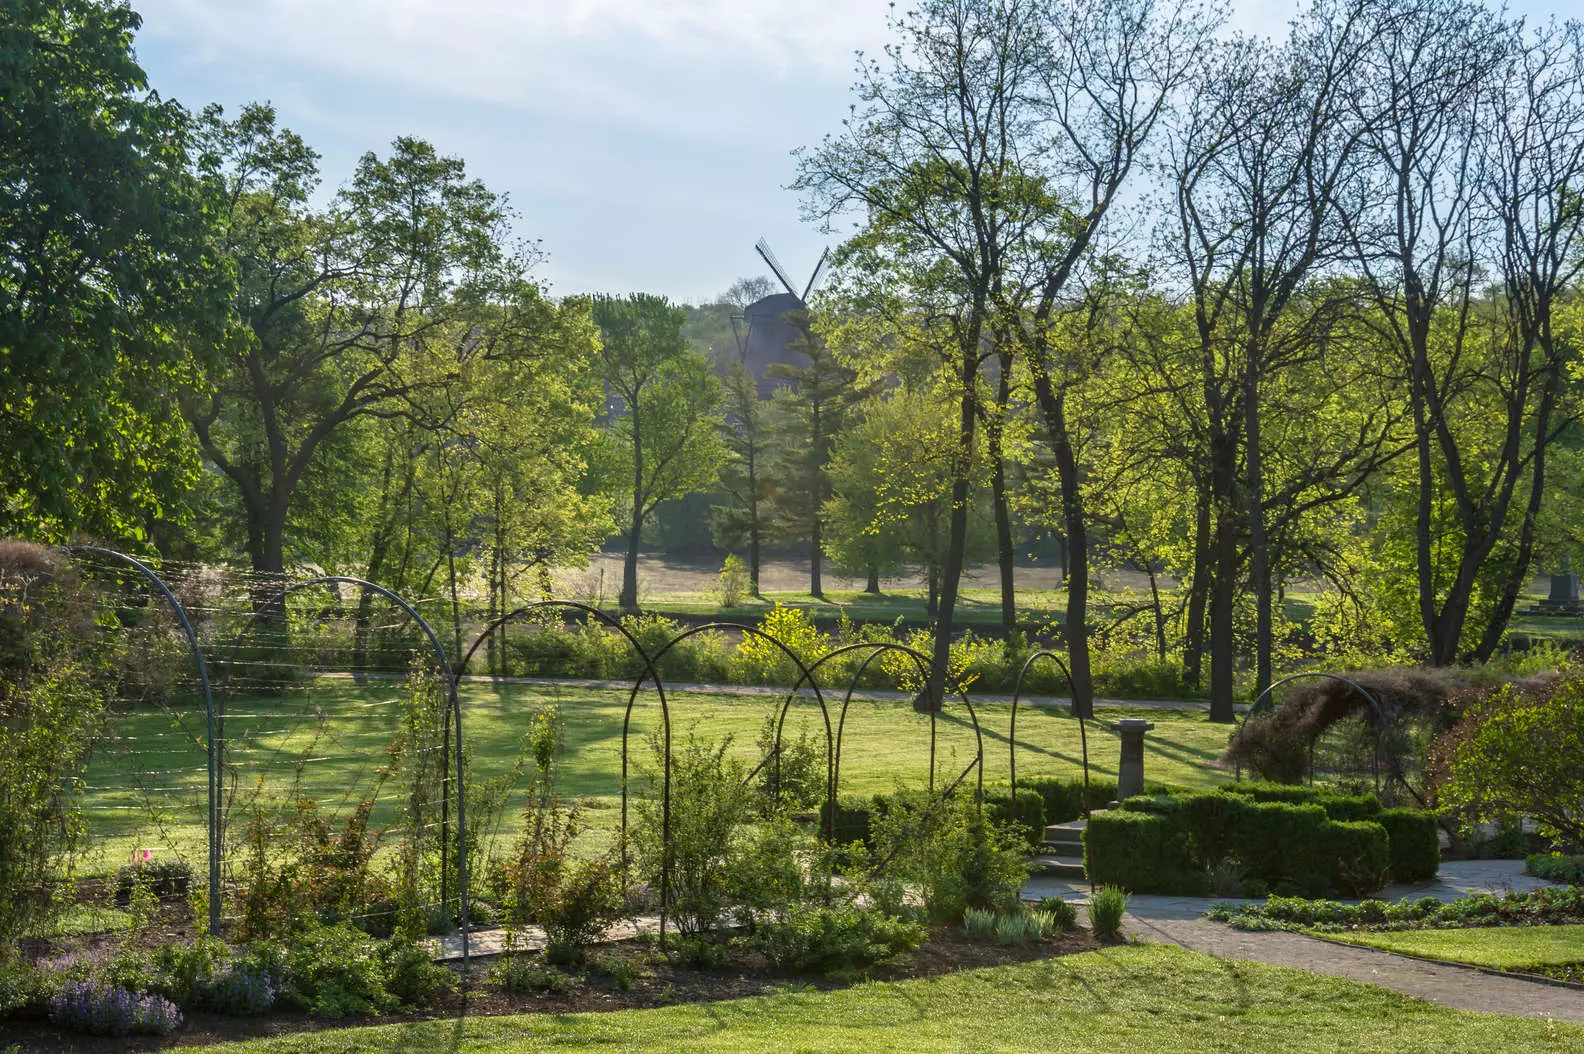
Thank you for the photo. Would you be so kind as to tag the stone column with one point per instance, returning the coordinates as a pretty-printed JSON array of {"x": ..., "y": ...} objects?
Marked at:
[{"x": 1130, "y": 772}]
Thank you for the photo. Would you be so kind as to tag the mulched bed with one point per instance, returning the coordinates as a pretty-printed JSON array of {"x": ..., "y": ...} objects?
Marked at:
[{"x": 661, "y": 983}]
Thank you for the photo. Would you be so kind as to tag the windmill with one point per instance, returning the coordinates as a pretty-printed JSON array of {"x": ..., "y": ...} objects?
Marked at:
[{"x": 777, "y": 325}]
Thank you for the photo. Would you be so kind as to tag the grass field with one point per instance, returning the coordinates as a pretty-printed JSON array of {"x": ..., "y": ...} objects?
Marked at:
[
  {"x": 1140, "y": 998},
  {"x": 1498, "y": 947},
  {"x": 146, "y": 786}
]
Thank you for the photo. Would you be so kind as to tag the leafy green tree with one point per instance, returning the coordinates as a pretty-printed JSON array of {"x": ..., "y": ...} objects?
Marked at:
[
  {"x": 802, "y": 419},
  {"x": 891, "y": 483},
  {"x": 745, "y": 474},
  {"x": 108, "y": 278},
  {"x": 668, "y": 422},
  {"x": 349, "y": 313}
]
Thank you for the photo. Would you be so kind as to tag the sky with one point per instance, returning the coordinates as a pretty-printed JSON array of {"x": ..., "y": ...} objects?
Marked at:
[{"x": 645, "y": 144}]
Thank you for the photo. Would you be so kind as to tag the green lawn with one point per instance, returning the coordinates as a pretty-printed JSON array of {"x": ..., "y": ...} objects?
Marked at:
[
  {"x": 1139, "y": 998},
  {"x": 1498, "y": 947},
  {"x": 146, "y": 786}
]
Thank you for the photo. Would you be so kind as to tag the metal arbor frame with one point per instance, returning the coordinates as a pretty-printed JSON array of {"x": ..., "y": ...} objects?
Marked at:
[
  {"x": 211, "y": 747},
  {"x": 1017, "y": 697},
  {"x": 453, "y": 714},
  {"x": 453, "y": 740}
]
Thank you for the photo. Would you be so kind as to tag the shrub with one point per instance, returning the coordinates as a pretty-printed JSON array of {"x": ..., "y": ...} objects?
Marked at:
[
  {"x": 1106, "y": 908},
  {"x": 335, "y": 971},
  {"x": 1556, "y": 867},
  {"x": 82, "y": 1006},
  {"x": 796, "y": 781},
  {"x": 168, "y": 879},
  {"x": 697, "y": 952},
  {"x": 1027, "y": 820},
  {"x": 733, "y": 583},
  {"x": 1062, "y": 914},
  {"x": 1140, "y": 851},
  {"x": 1517, "y": 754},
  {"x": 240, "y": 990},
  {"x": 1415, "y": 843},
  {"x": 410, "y": 975},
  {"x": 710, "y": 806},
  {"x": 1550, "y": 906},
  {"x": 584, "y": 902},
  {"x": 813, "y": 938},
  {"x": 517, "y": 974},
  {"x": 53, "y": 687},
  {"x": 182, "y": 972},
  {"x": 948, "y": 851}
]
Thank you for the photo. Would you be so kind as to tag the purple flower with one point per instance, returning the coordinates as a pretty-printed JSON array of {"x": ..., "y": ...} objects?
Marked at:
[{"x": 100, "y": 1010}]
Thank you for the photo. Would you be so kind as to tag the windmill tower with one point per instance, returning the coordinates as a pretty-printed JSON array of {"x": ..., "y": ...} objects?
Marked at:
[{"x": 777, "y": 325}]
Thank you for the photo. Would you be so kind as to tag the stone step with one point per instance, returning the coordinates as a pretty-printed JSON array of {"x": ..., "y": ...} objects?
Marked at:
[
  {"x": 1060, "y": 865},
  {"x": 1065, "y": 834}
]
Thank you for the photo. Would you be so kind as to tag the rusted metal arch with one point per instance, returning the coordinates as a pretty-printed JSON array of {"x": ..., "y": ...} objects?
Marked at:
[
  {"x": 1382, "y": 723},
  {"x": 453, "y": 714},
  {"x": 923, "y": 662},
  {"x": 650, "y": 673},
  {"x": 653, "y": 672},
  {"x": 209, "y": 708},
  {"x": 1083, "y": 735}
]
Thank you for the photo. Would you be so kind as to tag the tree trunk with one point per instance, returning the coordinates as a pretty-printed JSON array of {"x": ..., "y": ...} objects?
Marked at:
[
  {"x": 1005, "y": 552},
  {"x": 1198, "y": 595},
  {"x": 629, "y": 589},
  {"x": 816, "y": 493},
  {"x": 1259, "y": 551},
  {"x": 872, "y": 583},
  {"x": 957, "y": 538},
  {"x": 753, "y": 520}
]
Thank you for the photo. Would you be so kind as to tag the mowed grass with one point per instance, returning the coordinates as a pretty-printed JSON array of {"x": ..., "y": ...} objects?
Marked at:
[
  {"x": 1497, "y": 947},
  {"x": 146, "y": 786},
  {"x": 1135, "y": 999}
]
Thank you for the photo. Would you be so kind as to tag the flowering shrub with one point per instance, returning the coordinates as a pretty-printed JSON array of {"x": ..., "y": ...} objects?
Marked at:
[{"x": 82, "y": 1006}]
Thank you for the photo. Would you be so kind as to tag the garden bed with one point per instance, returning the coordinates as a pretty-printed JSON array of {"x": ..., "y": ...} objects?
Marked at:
[{"x": 620, "y": 976}]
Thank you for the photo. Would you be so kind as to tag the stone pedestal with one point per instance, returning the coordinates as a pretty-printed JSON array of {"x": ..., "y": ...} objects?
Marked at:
[{"x": 1130, "y": 772}]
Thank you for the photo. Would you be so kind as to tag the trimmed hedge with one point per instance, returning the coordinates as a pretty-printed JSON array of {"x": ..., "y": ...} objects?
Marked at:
[
  {"x": 1357, "y": 856},
  {"x": 1141, "y": 852},
  {"x": 1298, "y": 839},
  {"x": 1415, "y": 844},
  {"x": 1030, "y": 814},
  {"x": 1337, "y": 806},
  {"x": 1064, "y": 797}
]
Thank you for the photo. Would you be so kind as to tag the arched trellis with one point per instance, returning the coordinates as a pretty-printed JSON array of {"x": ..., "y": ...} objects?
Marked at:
[
  {"x": 652, "y": 671},
  {"x": 453, "y": 716},
  {"x": 1382, "y": 723},
  {"x": 922, "y": 663},
  {"x": 212, "y": 747},
  {"x": 1083, "y": 735}
]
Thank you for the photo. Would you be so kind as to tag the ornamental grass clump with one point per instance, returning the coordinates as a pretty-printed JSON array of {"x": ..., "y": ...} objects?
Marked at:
[
  {"x": 979, "y": 923},
  {"x": 82, "y": 1006},
  {"x": 1106, "y": 909}
]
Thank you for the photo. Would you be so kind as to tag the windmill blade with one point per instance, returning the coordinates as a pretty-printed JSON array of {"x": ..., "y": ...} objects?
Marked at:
[
  {"x": 763, "y": 248},
  {"x": 819, "y": 269}
]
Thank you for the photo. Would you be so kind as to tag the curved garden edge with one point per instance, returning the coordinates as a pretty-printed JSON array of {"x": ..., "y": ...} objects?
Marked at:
[{"x": 1515, "y": 975}]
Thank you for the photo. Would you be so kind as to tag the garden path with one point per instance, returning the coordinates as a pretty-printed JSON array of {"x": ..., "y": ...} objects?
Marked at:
[
  {"x": 1176, "y": 920},
  {"x": 879, "y": 694}
]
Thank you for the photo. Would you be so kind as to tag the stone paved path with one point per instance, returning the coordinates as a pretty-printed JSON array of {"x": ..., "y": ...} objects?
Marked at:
[
  {"x": 1176, "y": 920},
  {"x": 831, "y": 696},
  {"x": 1455, "y": 986}
]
